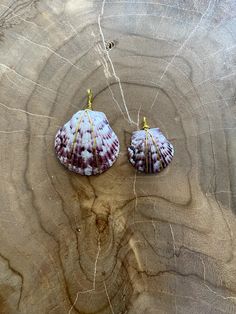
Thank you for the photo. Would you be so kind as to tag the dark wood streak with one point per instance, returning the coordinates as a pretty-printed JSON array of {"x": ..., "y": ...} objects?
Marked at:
[{"x": 18, "y": 274}]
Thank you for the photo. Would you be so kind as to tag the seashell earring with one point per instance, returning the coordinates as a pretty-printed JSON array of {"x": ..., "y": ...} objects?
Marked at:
[
  {"x": 150, "y": 151},
  {"x": 86, "y": 144}
]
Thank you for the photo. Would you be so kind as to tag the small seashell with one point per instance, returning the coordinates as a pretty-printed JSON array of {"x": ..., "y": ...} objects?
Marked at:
[
  {"x": 86, "y": 144},
  {"x": 150, "y": 151}
]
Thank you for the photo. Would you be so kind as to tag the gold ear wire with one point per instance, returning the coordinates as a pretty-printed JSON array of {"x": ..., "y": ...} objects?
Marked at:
[
  {"x": 145, "y": 125},
  {"x": 90, "y": 99}
]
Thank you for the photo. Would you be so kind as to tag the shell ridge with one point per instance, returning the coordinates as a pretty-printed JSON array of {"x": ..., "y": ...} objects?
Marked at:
[
  {"x": 106, "y": 142},
  {"x": 158, "y": 150},
  {"x": 76, "y": 132},
  {"x": 98, "y": 155},
  {"x": 94, "y": 139},
  {"x": 71, "y": 157},
  {"x": 146, "y": 151}
]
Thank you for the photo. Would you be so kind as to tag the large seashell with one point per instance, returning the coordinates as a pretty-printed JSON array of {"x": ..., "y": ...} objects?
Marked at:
[
  {"x": 86, "y": 144},
  {"x": 150, "y": 151}
]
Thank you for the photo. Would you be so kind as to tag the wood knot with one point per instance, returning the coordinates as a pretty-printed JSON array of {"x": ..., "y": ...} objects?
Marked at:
[
  {"x": 101, "y": 223},
  {"x": 110, "y": 44}
]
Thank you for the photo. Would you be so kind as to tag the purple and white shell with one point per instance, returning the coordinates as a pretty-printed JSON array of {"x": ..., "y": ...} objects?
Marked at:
[
  {"x": 150, "y": 151},
  {"x": 86, "y": 144}
]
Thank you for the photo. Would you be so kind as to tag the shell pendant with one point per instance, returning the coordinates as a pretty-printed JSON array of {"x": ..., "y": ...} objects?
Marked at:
[
  {"x": 149, "y": 150},
  {"x": 86, "y": 144}
]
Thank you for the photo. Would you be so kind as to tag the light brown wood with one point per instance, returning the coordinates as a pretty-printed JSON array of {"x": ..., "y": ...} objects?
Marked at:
[{"x": 122, "y": 242}]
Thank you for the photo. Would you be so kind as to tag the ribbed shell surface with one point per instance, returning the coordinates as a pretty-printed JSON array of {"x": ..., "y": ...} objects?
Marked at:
[
  {"x": 86, "y": 144},
  {"x": 150, "y": 151}
]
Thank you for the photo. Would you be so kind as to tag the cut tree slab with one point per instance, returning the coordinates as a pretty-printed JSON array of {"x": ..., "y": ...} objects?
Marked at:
[{"x": 121, "y": 242}]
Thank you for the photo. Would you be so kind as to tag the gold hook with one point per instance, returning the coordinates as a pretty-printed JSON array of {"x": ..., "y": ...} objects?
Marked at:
[
  {"x": 145, "y": 125},
  {"x": 90, "y": 99}
]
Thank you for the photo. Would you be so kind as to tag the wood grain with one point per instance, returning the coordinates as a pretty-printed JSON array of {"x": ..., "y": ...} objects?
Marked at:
[{"x": 121, "y": 242}]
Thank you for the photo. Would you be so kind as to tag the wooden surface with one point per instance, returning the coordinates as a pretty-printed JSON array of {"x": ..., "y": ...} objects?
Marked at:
[{"x": 122, "y": 242}]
